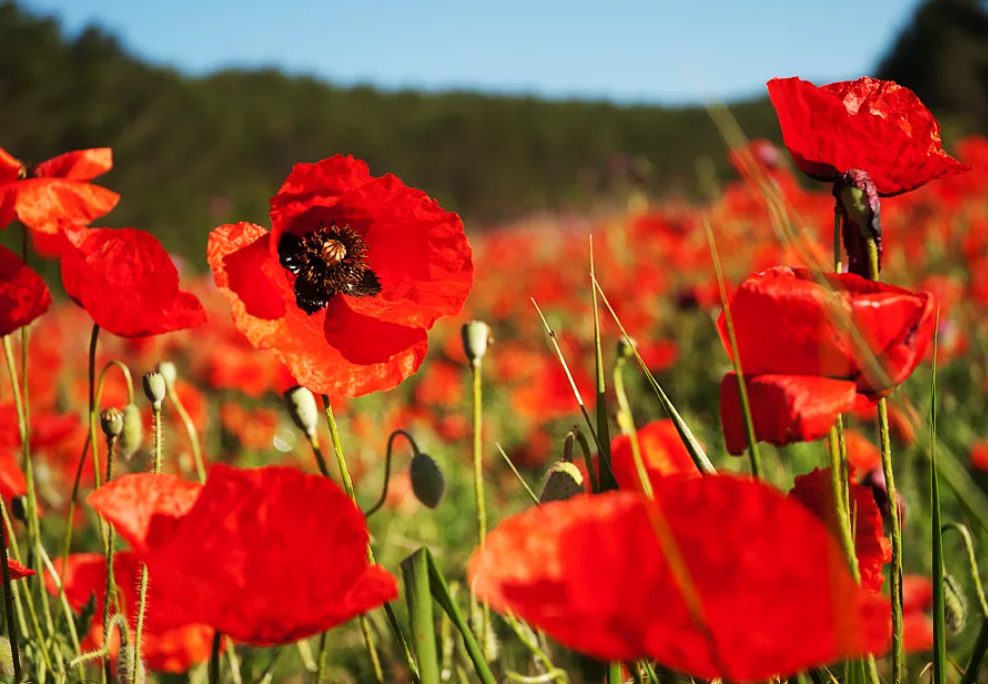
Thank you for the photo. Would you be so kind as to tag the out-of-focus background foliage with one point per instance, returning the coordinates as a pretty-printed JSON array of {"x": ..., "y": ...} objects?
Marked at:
[{"x": 192, "y": 152}]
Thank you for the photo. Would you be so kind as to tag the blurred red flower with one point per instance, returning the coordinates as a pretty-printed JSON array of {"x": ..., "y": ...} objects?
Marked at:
[
  {"x": 167, "y": 645},
  {"x": 662, "y": 450},
  {"x": 876, "y": 126},
  {"x": 267, "y": 556},
  {"x": 353, "y": 273},
  {"x": 23, "y": 294},
  {"x": 811, "y": 368},
  {"x": 39, "y": 196},
  {"x": 126, "y": 281},
  {"x": 775, "y": 596},
  {"x": 872, "y": 547}
]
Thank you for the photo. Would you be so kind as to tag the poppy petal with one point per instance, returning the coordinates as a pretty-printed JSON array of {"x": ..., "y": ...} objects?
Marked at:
[
  {"x": 23, "y": 294},
  {"x": 40, "y": 203},
  {"x": 81, "y": 165},
  {"x": 774, "y": 594}
]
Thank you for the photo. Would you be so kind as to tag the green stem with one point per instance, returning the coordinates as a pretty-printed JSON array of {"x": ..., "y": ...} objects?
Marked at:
[
  {"x": 142, "y": 601},
  {"x": 214, "y": 658},
  {"x": 387, "y": 469},
  {"x": 896, "y": 569},
  {"x": 190, "y": 428},
  {"x": 73, "y": 634},
  {"x": 843, "y": 515},
  {"x": 614, "y": 672},
  {"x": 972, "y": 561},
  {"x": 977, "y": 655},
  {"x": 478, "y": 480},
  {"x": 8, "y": 604},
  {"x": 418, "y": 596},
  {"x": 626, "y": 423},
  {"x": 110, "y": 542}
]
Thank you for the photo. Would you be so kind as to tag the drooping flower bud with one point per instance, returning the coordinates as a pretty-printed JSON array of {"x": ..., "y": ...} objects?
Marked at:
[
  {"x": 428, "y": 482},
  {"x": 563, "y": 481},
  {"x": 112, "y": 422},
  {"x": 18, "y": 508},
  {"x": 125, "y": 667},
  {"x": 954, "y": 604},
  {"x": 476, "y": 337},
  {"x": 626, "y": 350},
  {"x": 155, "y": 388},
  {"x": 168, "y": 372},
  {"x": 860, "y": 209},
  {"x": 302, "y": 408},
  {"x": 133, "y": 431}
]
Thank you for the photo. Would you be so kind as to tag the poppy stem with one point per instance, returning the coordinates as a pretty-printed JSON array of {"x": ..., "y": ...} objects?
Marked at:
[
  {"x": 626, "y": 424},
  {"x": 214, "y": 658},
  {"x": 142, "y": 602},
  {"x": 387, "y": 469},
  {"x": 896, "y": 573},
  {"x": 843, "y": 520},
  {"x": 8, "y": 604},
  {"x": 190, "y": 428},
  {"x": 576, "y": 434},
  {"x": 972, "y": 561},
  {"x": 476, "y": 370},
  {"x": 110, "y": 543}
]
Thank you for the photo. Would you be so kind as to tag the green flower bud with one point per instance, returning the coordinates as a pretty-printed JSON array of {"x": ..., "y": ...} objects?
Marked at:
[
  {"x": 302, "y": 408},
  {"x": 168, "y": 372},
  {"x": 563, "y": 481},
  {"x": 954, "y": 605},
  {"x": 428, "y": 482},
  {"x": 125, "y": 667},
  {"x": 625, "y": 350},
  {"x": 155, "y": 388},
  {"x": 476, "y": 337},
  {"x": 18, "y": 508},
  {"x": 133, "y": 431},
  {"x": 112, "y": 420}
]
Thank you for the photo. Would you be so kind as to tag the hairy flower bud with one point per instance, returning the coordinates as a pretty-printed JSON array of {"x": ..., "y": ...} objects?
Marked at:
[
  {"x": 125, "y": 667},
  {"x": 155, "y": 388},
  {"x": 302, "y": 408},
  {"x": 112, "y": 420},
  {"x": 476, "y": 337},
  {"x": 133, "y": 431},
  {"x": 954, "y": 604},
  {"x": 428, "y": 482},
  {"x": 168, "y": 372},
  {"x": 563, "y": 481}
]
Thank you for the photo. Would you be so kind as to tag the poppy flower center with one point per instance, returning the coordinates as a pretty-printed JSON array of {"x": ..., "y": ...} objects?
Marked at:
[{"x": 329, "y": 261}]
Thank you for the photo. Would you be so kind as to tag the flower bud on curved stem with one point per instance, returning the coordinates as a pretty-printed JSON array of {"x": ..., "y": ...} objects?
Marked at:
[{"x": 428, "y": 481}]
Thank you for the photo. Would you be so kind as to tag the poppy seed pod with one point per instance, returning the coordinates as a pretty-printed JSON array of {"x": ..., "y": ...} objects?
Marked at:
[
  {"x": 112, "y": 422},
  {"x": 133, "y": 431},
  {"x": 954, "y": 604},
  {"x": 168, "y": 372},
  {"x": 428, "y": 482},
  {"x": 476, "y": 337},
  {"x": 563, "y": 481},
  {"x": 302, "y": 408},
  {"x": 125, "y": 667},
  {"x": 154, "y": 388}
]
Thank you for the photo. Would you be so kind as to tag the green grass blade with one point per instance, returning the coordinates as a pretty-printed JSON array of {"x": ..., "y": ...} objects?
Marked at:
[
  {"x": 415, "y": 570},
  {"x": 607, "y": 481},
  {"x": 939, "y": 623}
]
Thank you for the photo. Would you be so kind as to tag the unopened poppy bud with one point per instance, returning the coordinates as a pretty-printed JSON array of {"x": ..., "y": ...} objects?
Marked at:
[
  {"x": 563, "y": 481},
  {"x": 133, "y": 431},
  {"x": 112, "y": 421},
  {"x": 18, "y": 508},
  {"x": 168, "y": 372},
  {"x": 860, "y": 209},
  {"x": 125, "y": 667},
  {"x": 626, "y": 349},
  {"x": 954, "y": 605},
  {"x": 303, "y": 410},
  {"x": 155, "y": 388},
  {"x": 6, "y": 658},
  {"x": 476, "y": 337},
  {"x": 428, "y": 482}
]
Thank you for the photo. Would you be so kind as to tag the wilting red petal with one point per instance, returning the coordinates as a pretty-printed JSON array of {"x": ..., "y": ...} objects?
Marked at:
[
  {"x": 662, "y": 450},
  {"x": 40, "y": 203},
  {"x": 774, "y": 594},
  {"x": 269, "y": 556},
  {"x": 81, "y": 165},
  {"x": 812, "y": 317},
  {"x": 18, "y": 571},
  {"x": 145, "y": 508},
  {"x": 23, "y": 294},
  {"x": 126, "y": 281},
  {"x": 872, "y": 548},
  {"x": 877, "y": 126},
  {"x": 785, "y": 408}
]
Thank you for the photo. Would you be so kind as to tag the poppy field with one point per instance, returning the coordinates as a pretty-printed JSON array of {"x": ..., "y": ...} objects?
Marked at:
[{"x": 738, "y": 436}]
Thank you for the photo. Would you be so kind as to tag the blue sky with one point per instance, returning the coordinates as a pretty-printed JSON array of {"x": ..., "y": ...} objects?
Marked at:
[{"x": 623, "y": 50}]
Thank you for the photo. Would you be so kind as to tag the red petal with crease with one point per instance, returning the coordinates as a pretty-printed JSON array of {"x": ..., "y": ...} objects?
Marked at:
[
  {"x": 81, "y": 165},
  {"x": 23, "y": 294},
  {"x": 773, "y": 590}
]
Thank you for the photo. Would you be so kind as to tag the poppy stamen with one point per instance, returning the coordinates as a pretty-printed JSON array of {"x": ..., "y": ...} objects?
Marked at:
[{"x": 328, "y": 261}]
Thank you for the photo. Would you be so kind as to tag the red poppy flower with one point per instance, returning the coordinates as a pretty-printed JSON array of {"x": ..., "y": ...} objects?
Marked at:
[
  {"x": 167, "y": 645},
  {"x": 663, "y": 453},
  {"x": 876, "y": 126},
  {"x": 872, "y": 548},
  {"x": 917, "y": 598},
  {"x": 862, "y": 454},
  {"x": 39, "y": 196},
  {"x": 23, "y": 294},
  {"x": 266, "y": 556},
  {"x": 775, "y": 596},
  {"x": 353, "y": 273},
  {"x": 812, "y": 368},
  {"x": 126, "y": 281}
]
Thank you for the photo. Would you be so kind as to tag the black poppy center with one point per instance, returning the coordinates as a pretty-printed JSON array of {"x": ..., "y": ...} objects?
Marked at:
[{"x": 329, "y": 261}]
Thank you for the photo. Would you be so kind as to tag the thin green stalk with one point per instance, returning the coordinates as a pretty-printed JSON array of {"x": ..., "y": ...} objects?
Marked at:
[
  {"x": 476, "y": 370},
  {"x": 614, "y": 673},
  {"x": 843, "y": 519},
  {"x": 142, "y": 601},
  {"x": 73, "y": 633},
  {"x": 625, "y": 417},
  {"x": 896, "y": 569},
  {"x": 214, "y": 658},
  {"x": 8, "y": 604},
  {"x": 603, "y": 430},
  {"x": 9, "y": 528},
  {"x": 190, "y": 428},
  {"x": 749, "y": 423},
  {"x": 387, "y": 468},
  {"x": 972, "y": 561},
  {"x": 577, "y": 434},
  {"x": 977, "y": 655},
  {"x": 939, "y": 621},
  {"x": 110, "y": 543},
  {"x": 528, "y": 490}
]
